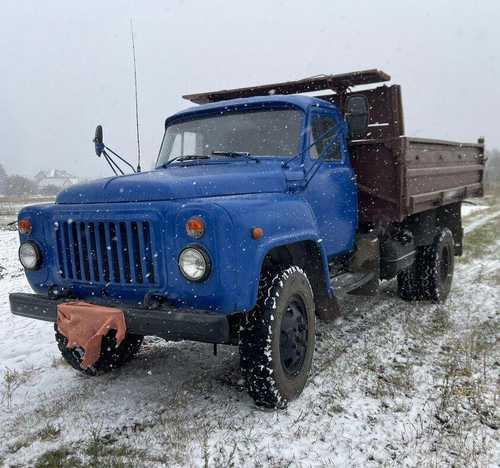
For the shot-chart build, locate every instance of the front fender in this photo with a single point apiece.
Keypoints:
(285, 219)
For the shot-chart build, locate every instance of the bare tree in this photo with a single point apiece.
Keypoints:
(20, 186)
(3, 181)
(492, 176)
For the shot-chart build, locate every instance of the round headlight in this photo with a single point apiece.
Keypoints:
(29, 256)
(194, 264)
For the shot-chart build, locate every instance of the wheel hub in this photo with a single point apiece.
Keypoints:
(293, 336)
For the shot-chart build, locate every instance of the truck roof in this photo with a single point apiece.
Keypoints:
(302, 102)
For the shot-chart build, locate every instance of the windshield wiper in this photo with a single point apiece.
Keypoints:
(187, 157)
(236, 154)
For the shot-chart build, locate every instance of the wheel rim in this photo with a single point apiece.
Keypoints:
(293, 336)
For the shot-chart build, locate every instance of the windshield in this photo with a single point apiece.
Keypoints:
(271, 132)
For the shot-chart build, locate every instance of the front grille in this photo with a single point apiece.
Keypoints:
(104, 252)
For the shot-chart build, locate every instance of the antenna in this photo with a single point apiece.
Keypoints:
(136, 102)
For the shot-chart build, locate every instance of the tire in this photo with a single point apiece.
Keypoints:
(111, 357)
(278, 337)
(436, 268)
(430, 276)
(408, 283)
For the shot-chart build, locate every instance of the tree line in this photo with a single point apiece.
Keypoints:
(492, 176)
(15, 185)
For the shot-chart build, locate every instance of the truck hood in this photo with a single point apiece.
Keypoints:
(181, 182)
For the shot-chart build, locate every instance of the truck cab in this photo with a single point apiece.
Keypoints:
(258, 215)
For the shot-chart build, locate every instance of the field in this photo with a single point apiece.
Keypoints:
(393, 384)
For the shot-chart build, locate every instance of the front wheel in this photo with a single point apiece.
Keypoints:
(111, 356)
(278, 338)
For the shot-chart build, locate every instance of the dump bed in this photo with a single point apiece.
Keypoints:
(403, 176)
(397, 175)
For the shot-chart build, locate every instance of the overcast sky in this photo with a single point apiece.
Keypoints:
(66, 66)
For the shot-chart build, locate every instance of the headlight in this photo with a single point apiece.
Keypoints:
(194, 264)
(29, 256)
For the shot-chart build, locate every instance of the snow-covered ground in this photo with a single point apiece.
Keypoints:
(393, 384)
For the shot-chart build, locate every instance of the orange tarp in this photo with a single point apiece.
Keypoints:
(84, 325)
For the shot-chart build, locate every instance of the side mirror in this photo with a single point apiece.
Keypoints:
(357, 116)
(99, 145)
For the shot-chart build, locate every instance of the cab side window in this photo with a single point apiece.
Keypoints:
(321, 124)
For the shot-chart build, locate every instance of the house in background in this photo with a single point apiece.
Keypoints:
(55, 178)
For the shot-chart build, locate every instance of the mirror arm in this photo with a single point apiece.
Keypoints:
(106, 158)
(120, 158)
(112, 164)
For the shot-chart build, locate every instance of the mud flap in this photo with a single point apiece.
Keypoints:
(328, 309)
(370, 288)
(84, 325)
(367, 260)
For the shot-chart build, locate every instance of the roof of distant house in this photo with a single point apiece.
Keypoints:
(54, 174)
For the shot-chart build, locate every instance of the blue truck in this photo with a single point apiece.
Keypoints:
(265, 206)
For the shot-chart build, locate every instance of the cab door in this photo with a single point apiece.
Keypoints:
(331, 191)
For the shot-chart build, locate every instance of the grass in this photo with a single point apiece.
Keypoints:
(12, 380)
(96, 452)
(48, 432)
(466, 397)
(424, 328)
(480, 241)
(391, 381)
(58, 458)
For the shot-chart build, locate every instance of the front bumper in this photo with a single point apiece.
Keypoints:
(166, 322)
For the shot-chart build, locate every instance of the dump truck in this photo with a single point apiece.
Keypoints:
(265, 206)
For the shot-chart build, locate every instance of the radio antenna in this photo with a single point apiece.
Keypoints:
(136, 100)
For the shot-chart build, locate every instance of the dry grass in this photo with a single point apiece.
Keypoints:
(12, 381)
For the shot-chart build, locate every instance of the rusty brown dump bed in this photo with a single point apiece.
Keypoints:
(397, 175)
(408, 175)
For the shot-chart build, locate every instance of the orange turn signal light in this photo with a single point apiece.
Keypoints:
(24, 226)
(257, 233)
(195, 227)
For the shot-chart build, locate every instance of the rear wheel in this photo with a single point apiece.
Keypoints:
(278, 338)
(408, 283)
(111, 357)
(436, 267)
(430, 276)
